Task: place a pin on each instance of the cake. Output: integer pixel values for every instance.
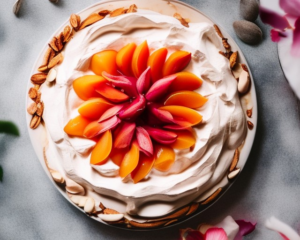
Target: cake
(142, 116)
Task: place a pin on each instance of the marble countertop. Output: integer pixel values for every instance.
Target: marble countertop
(32, 208)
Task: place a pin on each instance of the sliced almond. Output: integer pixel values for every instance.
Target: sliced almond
(35, 122)
(235, 160)
(40, 109)
(75, 21)
(179, 213)
(117, 12)
(132, 8)
(38, 78)
(56, 60)
(57, 177)
(233, 59)
(218, 31)
(76, 198)
(82, 201)
(234, 173)
(32, 107)
(93, 18)
(68, 32)
(181, 19)
(244, 82)
(52, 44)
(249, 113)
(46, 56)
(43, 68)
(237, 70)
(37, 87)
(244, 66)
(89, 205)
(146, 224)
(74, 188)
(52, 55)
(226, 44)
(250, 125)
(104, 13)
(212, 197)
(111, 217)
(110, 211)
(193, 208)
(60, 41)
(32, 93)
(170, 222)
(51, 75)
(38, 97)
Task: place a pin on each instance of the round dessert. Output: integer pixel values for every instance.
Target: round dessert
(144, 114)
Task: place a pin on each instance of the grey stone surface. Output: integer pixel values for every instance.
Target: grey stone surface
(31, 208)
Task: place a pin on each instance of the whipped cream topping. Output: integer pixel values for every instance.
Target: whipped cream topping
(194, 172)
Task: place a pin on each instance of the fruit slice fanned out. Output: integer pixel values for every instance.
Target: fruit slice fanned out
(139, 59)
(130, 160)
(113, 111)
(102, 149)
(164, 157)
(156, 62)
(176, 62)
(161, 136)
(112, 94)
(124, 59)
(144, 141)
(144, 81)
(159, 88)
(104, 61)
(185, 139)
(85, 87)
(143, 168)
(185, 81)
(123, 82)
(76, 126)
(133, 109)
(188, 99)
(117, 155)
(95, 128)
(94, 108)
(124, 136)
(184, 113)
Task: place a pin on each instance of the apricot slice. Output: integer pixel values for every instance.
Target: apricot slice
(183, 113)
(185, 139)
(164, 157)
(102, 149)
(112, 94)
(117, 155)
(130, 160)
(76, 126)
(185, 81)
(85, 86)
(188, 99)
(139, 59)
(94, 108)
(104, 61)
(143, 168)
(176, 62)
(156, 62)
(124, 59)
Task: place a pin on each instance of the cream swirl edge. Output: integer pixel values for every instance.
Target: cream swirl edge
(222, 131)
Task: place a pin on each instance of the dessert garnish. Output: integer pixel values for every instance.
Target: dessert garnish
(138, 108)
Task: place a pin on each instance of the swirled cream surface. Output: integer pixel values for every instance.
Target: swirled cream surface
(196, 171)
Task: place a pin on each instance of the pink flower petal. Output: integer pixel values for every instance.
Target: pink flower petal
(272, 18)
(163, 115)
(144, 81)
(124, 136)
(133, 109)
(190, 234)
(245, 228)
(295, 51)
(144, 141)
(111, 112)
(159, 88)
(277, 35)
(95, 128)
(215, 234)
(161, 136)
(291, 19)
(291, 7)
(123, 82)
